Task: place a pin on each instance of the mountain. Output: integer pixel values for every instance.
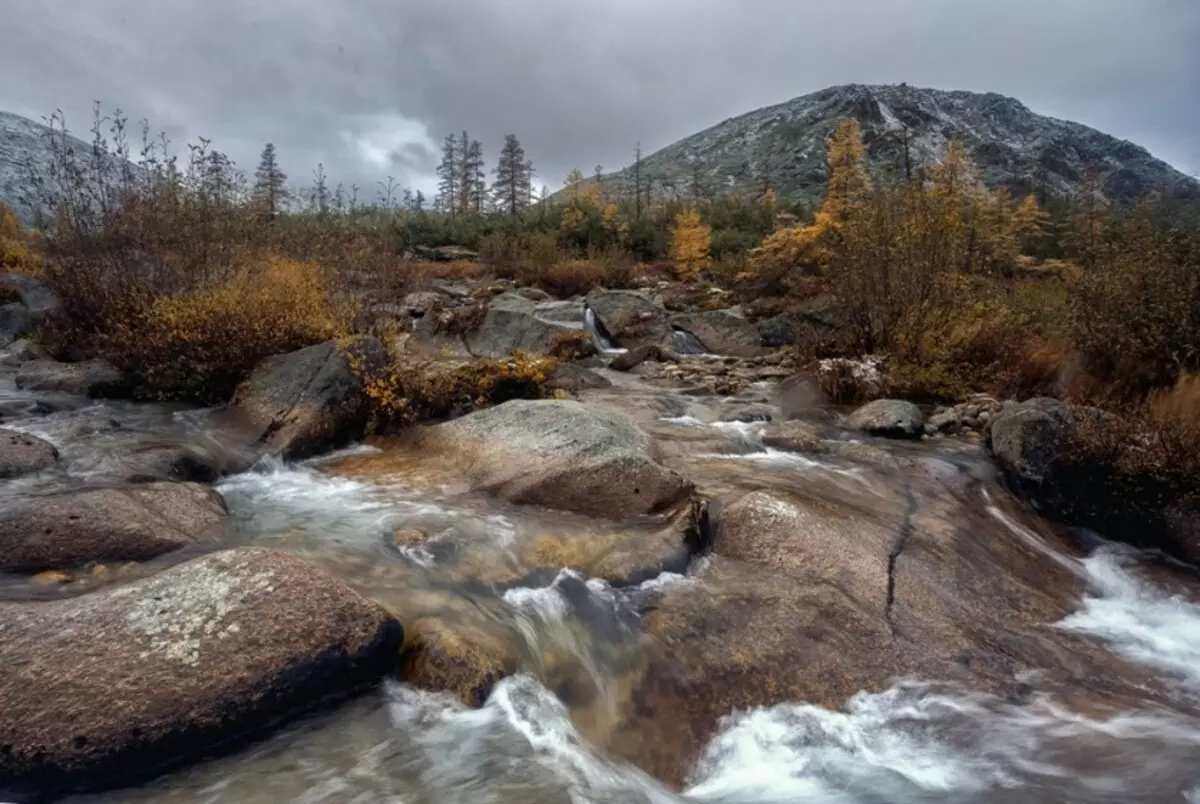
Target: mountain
(23, 141)
(1014, 147)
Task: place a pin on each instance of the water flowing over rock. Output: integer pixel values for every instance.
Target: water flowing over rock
(560, 454)
(890, 418)
(722, 333)
(169, 667)
(94, 378)
(630, 318)
(21, 454)
(309, 401)
(795, 436)
(69, 529)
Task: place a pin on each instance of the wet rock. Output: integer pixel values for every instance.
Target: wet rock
(793, 436)
(723, 333)
(630, 318)
(15, 322)
(20, 352)
(857, 452)
(166, 669)
(94, 378)
(73, 528)
(516, 323)
(638, 355)
(560, 454)
(306, 402)
(574, 378)
(818, 595)
(187, 463)
(646, 555)
(22, 454)
(462, 660)
(751, 413)
(890, 418)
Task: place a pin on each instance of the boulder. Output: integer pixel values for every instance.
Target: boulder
(15, 322)
(22, 454)
(303, 403)
(417, 304)
(516, 323)
(793, 436)
(94, 378)
(37, 297)
(21, 352)
(191, 462)
(101, 689)
(889, 418)
(628, 361)
(722, 333)
(559, 454)
(630, 318)
(1028, 440)
(947, 422)
(814, 321)
(748, 414)
(69, 529)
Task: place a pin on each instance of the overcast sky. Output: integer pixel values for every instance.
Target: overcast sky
(369, 87)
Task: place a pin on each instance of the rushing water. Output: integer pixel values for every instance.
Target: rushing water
(543, 732)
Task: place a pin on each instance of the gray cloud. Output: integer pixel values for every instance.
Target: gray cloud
(369, 87)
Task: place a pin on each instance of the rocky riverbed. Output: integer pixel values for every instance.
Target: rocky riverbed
(691, 580)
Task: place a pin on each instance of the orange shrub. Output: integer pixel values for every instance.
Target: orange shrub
(199, 345)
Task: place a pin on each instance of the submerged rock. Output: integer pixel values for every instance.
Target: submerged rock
(630, 318)
(303, 403)
(22, 454)
(560, 454)
(793, 436)
(890, 418)
(722, 333)
(462, 660)
(94, 378)
(72, 528)
(110, 686)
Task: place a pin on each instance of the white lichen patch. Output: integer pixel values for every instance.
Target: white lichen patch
(181, 612)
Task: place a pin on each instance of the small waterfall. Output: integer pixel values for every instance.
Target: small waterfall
(603, 344)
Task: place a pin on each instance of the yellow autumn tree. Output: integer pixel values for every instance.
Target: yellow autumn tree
(689, 245)
(848, 179)
(15, 252)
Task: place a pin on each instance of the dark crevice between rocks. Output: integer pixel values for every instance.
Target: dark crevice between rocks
(897, 548)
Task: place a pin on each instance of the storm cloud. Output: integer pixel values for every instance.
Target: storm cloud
(370, 87)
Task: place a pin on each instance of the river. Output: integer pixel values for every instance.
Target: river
(571, 723)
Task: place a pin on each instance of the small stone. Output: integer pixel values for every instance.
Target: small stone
(404, 537)
(50, 578)
(100, 572)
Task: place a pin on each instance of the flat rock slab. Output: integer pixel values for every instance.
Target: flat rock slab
(74, 528)
(22, 454)
(560, 454)
(116, 684)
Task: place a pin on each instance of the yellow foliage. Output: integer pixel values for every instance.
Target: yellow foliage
(199, 345)
(16, 253)
(848, 180)
(689, 245)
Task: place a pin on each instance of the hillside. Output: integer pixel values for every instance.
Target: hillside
(23, 141)
(1013, 146)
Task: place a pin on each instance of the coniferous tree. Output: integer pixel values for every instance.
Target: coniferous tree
(270, 183)
(448, 177)
(318, 198)
(477, 176)
(637, 181)
(513, 189)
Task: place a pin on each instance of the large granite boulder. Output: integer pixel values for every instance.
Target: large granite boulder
(72, 528)
(516, 323)
(303, 403)
(723, 333)
(560, 454)
(110, 686)
(630, 318)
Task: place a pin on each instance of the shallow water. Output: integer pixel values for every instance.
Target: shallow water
(401, 529)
